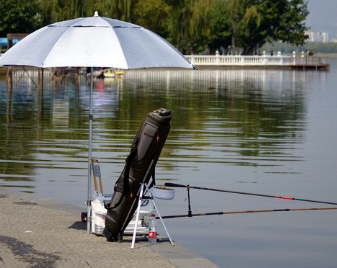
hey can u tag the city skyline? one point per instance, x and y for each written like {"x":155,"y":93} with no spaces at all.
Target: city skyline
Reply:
{"x":322,"y":17}
{"x":318,"y":36}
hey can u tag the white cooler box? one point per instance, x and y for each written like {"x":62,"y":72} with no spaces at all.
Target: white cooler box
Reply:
{"x":98,"y":213}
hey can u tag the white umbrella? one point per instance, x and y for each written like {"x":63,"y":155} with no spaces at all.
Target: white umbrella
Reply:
{"x":94,"y":42}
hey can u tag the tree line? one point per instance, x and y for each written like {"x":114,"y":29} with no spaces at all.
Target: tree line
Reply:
{"x":192,"y":26}
{"x":315,"y":47}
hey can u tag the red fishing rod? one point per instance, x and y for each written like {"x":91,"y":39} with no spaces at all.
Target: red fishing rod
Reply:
{"x":245,"y":211}
{"x":169,"y":184}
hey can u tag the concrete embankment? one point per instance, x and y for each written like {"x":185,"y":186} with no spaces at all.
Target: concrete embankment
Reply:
{"x":40,"y":232}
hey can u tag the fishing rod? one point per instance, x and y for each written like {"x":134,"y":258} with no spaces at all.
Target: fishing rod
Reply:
{"x":245,"y":193}
{"x":241,"y":212}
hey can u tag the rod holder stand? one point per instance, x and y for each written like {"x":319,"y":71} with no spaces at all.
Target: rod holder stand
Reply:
{"x":189,"y":201}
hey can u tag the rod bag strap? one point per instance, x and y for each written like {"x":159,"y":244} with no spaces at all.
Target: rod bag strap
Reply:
{"x":126,"y":187}
{"x":153,"y":182}
{"x":129,"y":160}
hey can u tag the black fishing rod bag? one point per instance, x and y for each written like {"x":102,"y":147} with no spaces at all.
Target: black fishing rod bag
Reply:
{"x":139,"y":168}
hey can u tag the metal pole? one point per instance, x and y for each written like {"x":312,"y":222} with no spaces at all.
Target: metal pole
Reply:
{"x":89,"y":154}
{"x":137,"y":216}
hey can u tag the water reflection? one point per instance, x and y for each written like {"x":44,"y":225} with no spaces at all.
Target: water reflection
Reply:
{"x":234,"y":117}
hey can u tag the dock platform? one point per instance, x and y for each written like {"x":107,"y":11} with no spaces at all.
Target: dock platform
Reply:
{"x":278,"y":61}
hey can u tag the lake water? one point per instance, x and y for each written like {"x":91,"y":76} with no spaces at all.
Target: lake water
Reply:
{"x":260,"y":131}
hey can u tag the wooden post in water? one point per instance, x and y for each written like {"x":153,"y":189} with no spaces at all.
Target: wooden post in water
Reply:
{"x":7,"y":96}
{"x":42,"y":74}
{"x":11,"y":81}
{"x":38,"y":84}
{"x":7,"y":82}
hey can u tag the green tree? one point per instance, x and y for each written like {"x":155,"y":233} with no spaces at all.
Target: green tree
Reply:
{"x":244,"y":20}
{"x":252,"y":23}
{"x":221,"y":36}
{"x":116,"y":9}
{"x":291,"y":26}
{"x":190,"y":24}
{"x":200,"y":26}
{"x":59,"y":10}
{"x":19,"y":16}
{"x":153,"y":15}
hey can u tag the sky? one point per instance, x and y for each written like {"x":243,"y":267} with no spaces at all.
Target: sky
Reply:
{"x":323,"y":16}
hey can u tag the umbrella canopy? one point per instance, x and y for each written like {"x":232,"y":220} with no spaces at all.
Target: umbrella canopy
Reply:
{"x":94,"y":42}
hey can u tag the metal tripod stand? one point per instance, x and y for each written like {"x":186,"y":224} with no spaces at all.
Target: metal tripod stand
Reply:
{"x":138,"y":210}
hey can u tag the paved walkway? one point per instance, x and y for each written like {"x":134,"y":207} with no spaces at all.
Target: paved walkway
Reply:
{"x":52,"y":235}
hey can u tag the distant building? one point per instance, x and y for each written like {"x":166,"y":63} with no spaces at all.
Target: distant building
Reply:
{"x":322,"y":37}
{"x":325,"y":37}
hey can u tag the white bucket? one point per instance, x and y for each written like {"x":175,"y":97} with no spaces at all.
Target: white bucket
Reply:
{"x":98,"y":215}
{"x":163,"y":192}
{"x":99,"y":223}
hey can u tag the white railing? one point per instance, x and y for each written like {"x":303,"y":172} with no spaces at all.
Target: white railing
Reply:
{"x":218,"y":60}
{"x":278,"y":60}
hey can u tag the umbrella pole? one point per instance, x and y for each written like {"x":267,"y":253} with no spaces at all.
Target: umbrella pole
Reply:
{"x":89,"y":154}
